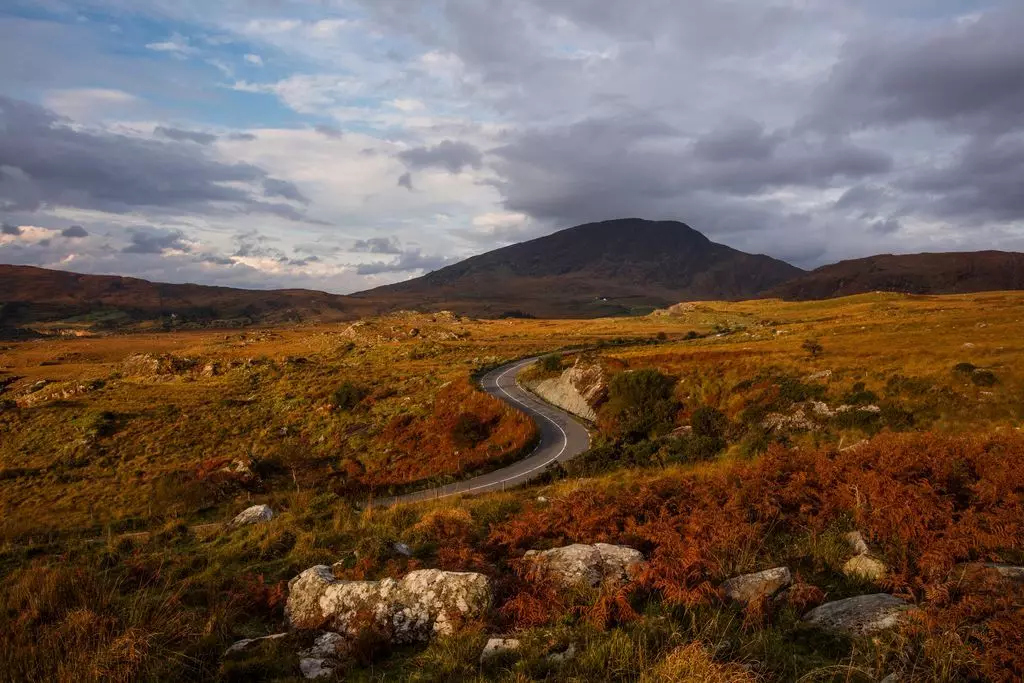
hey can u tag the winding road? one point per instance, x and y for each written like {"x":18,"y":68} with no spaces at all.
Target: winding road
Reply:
{"x":562,"y":438}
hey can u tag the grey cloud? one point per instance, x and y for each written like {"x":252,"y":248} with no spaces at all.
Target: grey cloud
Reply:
{"x":150,"y":240}
{"x":253,"y":244}
{"x":74,"y":232}
{"x":448,"y":155}
{"x":215,"y":259}
{"x":8,"y":229}
{"x":242,"y":137}
{"x":47,"y":163}
{"x":329,"y":131}
{"x":181,"y":135}
{"x":408,"y":261}
{"x":737,"y":142}
{"x":377,"y":245}
{"x":273,"y":187}
{"x":963,"y":73}
{"x":887,"y":226}
{"x":405,"y":180}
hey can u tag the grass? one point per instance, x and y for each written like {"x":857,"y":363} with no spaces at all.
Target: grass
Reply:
{"x":935,"y":483}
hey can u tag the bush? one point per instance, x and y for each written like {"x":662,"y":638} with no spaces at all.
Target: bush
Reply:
{"x":983,"y":378}
{"x":348,"y":396}
{"x":965,"y":369}
{"x":640,"y":404}
{"x":693,"y":448}
{"x":469,"y":431}
{"x":813,"y":347}
{"x":551,"y":363}
{"x":860,"y":395}
{"x":709,"y":422}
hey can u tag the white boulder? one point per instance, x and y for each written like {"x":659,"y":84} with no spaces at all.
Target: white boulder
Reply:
{"x":861,"y":615}
{"x":748,"y":587}
{"x":498,"y":646}
{"x":589,"y":565}
{"x":252,"y":515}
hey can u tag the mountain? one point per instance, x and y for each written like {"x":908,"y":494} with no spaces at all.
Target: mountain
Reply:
{"x":944,"y":273}
{"x":37,"y":295}
{"x":609,"y":268}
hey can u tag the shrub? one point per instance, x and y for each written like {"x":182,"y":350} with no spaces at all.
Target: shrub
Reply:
{"x":661,"y":336}
{"x":860,"y":395}
{"x":983,"y":378}
{"x":640,"y":404}
{"x":693,"y":448}
{"x":551,"y":363}
{"x":964,"y":369}
{"x":812,"y":347}
{"x":709,"y":422}
{"x":469,"y":431}
{"x":348,"y":395}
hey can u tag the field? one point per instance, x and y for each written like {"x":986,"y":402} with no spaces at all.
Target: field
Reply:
{"x":761,"y":433}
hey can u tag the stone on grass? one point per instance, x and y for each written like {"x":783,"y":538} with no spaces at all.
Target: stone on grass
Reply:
{"x":861,"y":615}
{"x":498,"y":646}
{"x":253,"y":515}
{"x":423,"y":603}
{"x":402,"y":549}
{"x":589,"y":565}
{"x":748,"y":587}
{"x":857,"y":543}
{"x":250,"y":643}
{"x":323,"y":657}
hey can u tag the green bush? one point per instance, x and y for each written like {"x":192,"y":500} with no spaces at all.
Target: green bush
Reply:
{"x":710,"y":422}
{"x":348,"y":395}
{"x":551,"y":363}
{"x":640,"y":404}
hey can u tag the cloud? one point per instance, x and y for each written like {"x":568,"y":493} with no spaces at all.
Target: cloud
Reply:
{"x":405,"y":180}
{"x":177,"y":45}
{"x":12,"y":230}
{"x":74,"y":232}
{"x":329,"y":131}
{"x":448,"y":155}
{"x":411,"y":260}
{"x":149,"y":240}
{"x":47,"y":163}
{"x":255,"y":60}
{"x":378,"y":245}
{"x":180,"y":135}
{"x":273,"y":187}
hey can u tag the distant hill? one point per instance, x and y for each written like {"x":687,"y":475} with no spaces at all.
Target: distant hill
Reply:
{"x":944,"y":273}
{"x":37,"y":295}
{"x":610,"y":268}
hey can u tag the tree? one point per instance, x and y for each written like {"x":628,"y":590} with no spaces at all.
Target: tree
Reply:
{"x":640,"y":404}
{"x":551,"y":363}
{"x":813,"y":347}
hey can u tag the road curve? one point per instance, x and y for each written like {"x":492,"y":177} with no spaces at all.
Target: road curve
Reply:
{"x":562,"y":438}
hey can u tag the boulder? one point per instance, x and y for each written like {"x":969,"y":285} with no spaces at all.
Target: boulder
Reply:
{"x":323,"y":657}
{"x":589,"y":565}
{"x":498,"y":646}
{"x":865,"y":567}
{"x":860,"y":615}
{"x":748,"y":587}
{"x":422,"y":603}
{"x":857,"y":543}
{"x":579,"y":389}
{"x":250,"y":643}
{"x":253,"y":515}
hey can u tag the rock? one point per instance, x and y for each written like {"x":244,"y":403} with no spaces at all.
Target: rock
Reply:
{"x":564,"y":656}
{"x":861,"y":615}
{"x":252,"y":515}
{"x":541,"y":499}
{"x":412,"y":609}
{"x":857,"y":543}
{"x":579,"y":390}
{"x":1009,"y":572}
{"x":211,"y":369}
{"x":985,"y":577}
{"x":865,"y":567}
{"x":250,"y":643}
{"x":498,"y":646}
{"x":589,"y":565}
{"x":402,"y":549}
{"x":818,"y":376}
{"x":749,"y":587}
{"x":323,"y":657}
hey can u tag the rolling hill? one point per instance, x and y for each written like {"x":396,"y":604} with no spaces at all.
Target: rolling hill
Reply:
{"x":942,"y":273}
{"x":610,"y":268}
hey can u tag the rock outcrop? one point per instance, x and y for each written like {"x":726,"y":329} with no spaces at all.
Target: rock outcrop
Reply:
{"x":861,"y":615}
{"x":579,"y":390}
{"x":498,"y":646}
{"x":251,"y":643}
{"x":423,"y":603}
{"x":590,"y":565}
{"x":252,"y":515}
{"x":323,"y":657}
{"x":749,"y":587}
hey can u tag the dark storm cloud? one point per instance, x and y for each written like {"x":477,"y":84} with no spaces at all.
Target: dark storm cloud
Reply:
{"x":968,"y":73}
{"x":273,"y":187}
{"x":448,"y":155}
{"x":8,"y":229}
{"x":181,"y":135}
{"x":409,"y":260}
{"x":45,"y":162}
{"x":377,"y":245}
{"x":74,"y":232}
{"x":155,"y":241}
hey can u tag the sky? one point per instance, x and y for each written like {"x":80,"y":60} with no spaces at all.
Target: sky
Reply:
{"x":344,"y":144}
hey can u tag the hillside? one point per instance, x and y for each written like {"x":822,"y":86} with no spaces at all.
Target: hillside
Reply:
{"x":37,"y":295}
{"x":610,"y":268}
{"x":946,"y":273}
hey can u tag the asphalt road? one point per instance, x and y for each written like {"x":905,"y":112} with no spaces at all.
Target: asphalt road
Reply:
{"x":562,"y":438}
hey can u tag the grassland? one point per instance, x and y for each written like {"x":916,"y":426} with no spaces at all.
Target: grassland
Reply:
{"x":135,"y":432}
